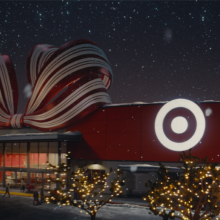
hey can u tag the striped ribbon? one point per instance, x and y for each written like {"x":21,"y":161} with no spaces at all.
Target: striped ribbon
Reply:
{"x":68,"y":83}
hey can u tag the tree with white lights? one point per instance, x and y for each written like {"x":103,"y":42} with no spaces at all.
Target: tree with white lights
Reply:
{"x":90,"y":198}
{"x":194,"y":196}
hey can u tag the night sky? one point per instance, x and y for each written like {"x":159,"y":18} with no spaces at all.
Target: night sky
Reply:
{"x":158,"y":51}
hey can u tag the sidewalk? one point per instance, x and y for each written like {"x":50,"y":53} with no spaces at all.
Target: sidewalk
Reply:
{"x":17,"y":192}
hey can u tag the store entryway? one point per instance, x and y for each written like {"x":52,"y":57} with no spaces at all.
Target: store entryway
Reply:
{"x":43,"y":180}
{"x":14,"y":178}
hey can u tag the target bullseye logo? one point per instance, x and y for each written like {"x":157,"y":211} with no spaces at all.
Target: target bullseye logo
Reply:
{"x":179,"y":125}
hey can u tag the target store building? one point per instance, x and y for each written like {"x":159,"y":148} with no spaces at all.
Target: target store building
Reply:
{"x":136,"y":136}
{"x":120,"y":135}
{"x":69,"y":110}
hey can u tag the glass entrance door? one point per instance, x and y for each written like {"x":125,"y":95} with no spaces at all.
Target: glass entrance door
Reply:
{"x":49,"y":181}
{"x":36,"y":180}
{"x":1,"y":178}
{"x":14,"y":178}
{"x":21,"y":176}
{"x":46,"y":181}
{"x":10,"y":178}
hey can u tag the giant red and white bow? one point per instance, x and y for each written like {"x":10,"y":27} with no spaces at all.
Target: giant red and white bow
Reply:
{"x":79,"y":71}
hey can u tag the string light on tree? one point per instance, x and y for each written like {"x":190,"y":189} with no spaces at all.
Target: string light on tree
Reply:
{"x":186,"y":198}
{"x":90,"y":198}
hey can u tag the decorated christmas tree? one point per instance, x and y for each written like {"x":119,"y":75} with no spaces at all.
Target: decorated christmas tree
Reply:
{"x":89,"y":194}
{"x":194,"y":196}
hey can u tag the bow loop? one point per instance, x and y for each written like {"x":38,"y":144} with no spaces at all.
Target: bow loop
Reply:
{"x":67,"y":84}
{"x":66,"y":65}
{"x":8,"y":85}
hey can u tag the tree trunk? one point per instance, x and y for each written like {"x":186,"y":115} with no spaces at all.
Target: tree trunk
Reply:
{"x":93,"y":217}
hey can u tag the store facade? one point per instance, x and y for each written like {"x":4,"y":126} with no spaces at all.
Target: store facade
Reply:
{"x":113,"y":136}
{"x":25,"y":155}
{"x":69,"y":109}
{"x":125,"y":134}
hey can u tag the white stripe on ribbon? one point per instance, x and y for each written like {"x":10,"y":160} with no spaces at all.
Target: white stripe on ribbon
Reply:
{"x":85,"y":96}
{"x":62,"y":74}
{"x":85,"y":103}
{"x":2,"y":100}
{"x":61,"y":59}
{"x":6,"y":84}
{"x":33,"y":63}
{"x":73,"y":97}
{"x":46,"y":55}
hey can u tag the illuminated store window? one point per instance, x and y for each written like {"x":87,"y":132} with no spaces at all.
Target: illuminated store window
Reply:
{"x":38,"y":180}
{"x":1,"y":178}
{"x":10,"y":178}
{"x":46,"y":178}
{"x":53,"y":153}
{"x":15,"y":155}
{"x":1,"y":156}
{"x":20,"y":176}
{"x":23,"y":155}
{"x":34,"y":155}
{"x":43,"y":149}
{"x":8,"y":149}
{"x":32,"y":179}
{"x":52,"y":181}
{"x":63,"y":152}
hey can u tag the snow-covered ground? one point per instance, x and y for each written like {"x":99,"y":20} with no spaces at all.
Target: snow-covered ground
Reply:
{"x":119,"y":212}
{"x":23,"y":208}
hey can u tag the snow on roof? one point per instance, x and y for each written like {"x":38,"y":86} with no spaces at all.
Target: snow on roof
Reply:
{"x":153,"y":103}
{"x":205,"y":101}
{"x":135,"y":103}
{"x":146,"y":167}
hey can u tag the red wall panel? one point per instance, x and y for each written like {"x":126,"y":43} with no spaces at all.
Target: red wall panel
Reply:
{"x":149,"y":140}
{"x":89,"y":127}
{"x":127,"y":133}
{"x":150,"y":111}
{"x":91,"y":147}
{"x":158,"y":153}
{"x":212,"y":152}
{"x":147,"y":124}
{"x":123,"y":126}
{"x":123,"y":140}
{"x":210,"y":139}
{"x":100,"y":114}
{"x":122,"y":153}
{"x":123,"y":112}
{"x":212,"y":124}
{"x":215,"y":107}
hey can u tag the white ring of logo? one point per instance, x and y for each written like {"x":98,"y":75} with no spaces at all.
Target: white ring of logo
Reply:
{"x":200,"y":125}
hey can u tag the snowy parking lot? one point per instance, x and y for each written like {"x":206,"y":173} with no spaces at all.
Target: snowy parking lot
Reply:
{"x":18,"y":207}
{"x":23,"y":208}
